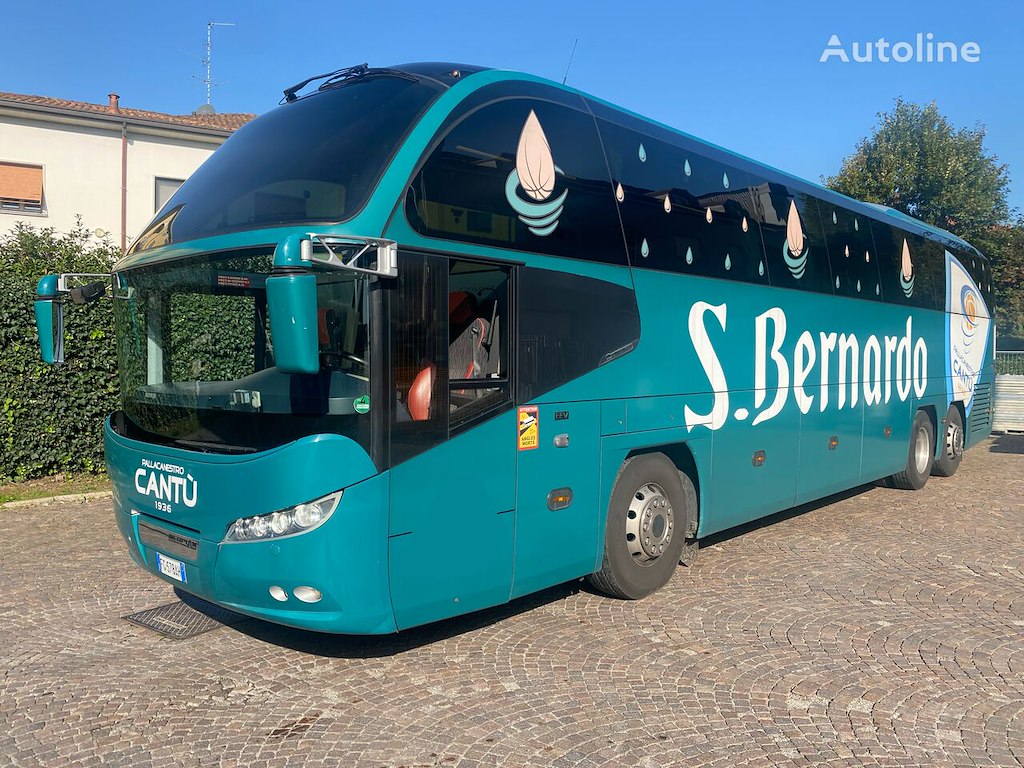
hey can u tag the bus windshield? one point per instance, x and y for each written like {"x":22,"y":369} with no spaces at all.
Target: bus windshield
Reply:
{"x":196,"y":358}
{"x":314,"y":160}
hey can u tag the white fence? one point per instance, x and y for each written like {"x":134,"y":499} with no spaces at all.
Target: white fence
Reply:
{"x":1009,"y":395}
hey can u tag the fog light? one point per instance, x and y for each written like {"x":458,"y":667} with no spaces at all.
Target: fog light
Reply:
{"x":307,"y":594}
{"x":278,"y":594}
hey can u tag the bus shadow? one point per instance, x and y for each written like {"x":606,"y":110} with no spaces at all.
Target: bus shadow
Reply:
{"x":787,"y":514}
{"x":383,"y":646}
{"x":1007,"y":442}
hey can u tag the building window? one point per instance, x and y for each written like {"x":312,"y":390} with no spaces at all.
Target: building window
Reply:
{"x":21,"y":188}
{"x":164,"y":190}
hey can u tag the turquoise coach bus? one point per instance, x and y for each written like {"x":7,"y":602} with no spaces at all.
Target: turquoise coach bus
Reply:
{"x":428,"y":338}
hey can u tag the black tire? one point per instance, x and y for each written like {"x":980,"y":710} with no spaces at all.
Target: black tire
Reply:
{"x":951,"y":444}
{"x":648,"y":491}
{"x":919,"y":457}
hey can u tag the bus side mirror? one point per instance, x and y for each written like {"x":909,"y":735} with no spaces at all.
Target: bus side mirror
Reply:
{"x":49,"y":308}
{"x":291,"y":304}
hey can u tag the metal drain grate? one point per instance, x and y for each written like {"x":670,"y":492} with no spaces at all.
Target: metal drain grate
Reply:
{"x":182,"y":620}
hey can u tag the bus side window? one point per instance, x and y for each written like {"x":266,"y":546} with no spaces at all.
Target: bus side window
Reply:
{"x":851,"y":253}
{"x":911,"y":267}
{"x":794,"y":240}
{"x":471,"y":186}
{"x":682,"y":211}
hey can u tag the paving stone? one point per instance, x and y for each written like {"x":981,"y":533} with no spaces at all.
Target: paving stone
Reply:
{"x":877,"y":628}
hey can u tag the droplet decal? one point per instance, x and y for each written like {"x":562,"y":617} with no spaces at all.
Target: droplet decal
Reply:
{"x":856,"y":224}
{"x":760,"y":268}
{"x":837,"y":281}
{"x":744,"y":224}
{"x":686,"y":167}
{"x":878,"y":289}
{"x":725,"y":180}
{"x":835,"y":219}
{"x":645,"y":250}
{"x":907,"y":271}
{"x":728,"y":262}
{"x":668,"y":204}
{"x":620,"y":194}
{"x":867,"y":256}
{"x":708,"y":216}
{"x":858,"y":286}
{"x":846,"y":250}
{"x":642,"y":154}
{"x":689,"y":255}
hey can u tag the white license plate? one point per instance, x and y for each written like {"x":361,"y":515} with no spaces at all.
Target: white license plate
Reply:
{"x":170,"y":567}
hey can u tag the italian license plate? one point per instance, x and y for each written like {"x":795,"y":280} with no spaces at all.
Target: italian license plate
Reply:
{"x":170,"y":567}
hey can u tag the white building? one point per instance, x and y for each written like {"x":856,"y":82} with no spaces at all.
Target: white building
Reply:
{"x":112,"y":166}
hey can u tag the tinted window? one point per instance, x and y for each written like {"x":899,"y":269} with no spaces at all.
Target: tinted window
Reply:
{"x":520,"y":173}
{"x":450,"y":349}
{"x":911,"y":267}
{"x":794,"y":239}
{"x":569,"y":325}
{"x":317,"y":159}
{"x":851,"y":253}
{"x":682,"y":211}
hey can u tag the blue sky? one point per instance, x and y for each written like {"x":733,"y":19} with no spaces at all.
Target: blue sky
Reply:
{"x":745,"y":75}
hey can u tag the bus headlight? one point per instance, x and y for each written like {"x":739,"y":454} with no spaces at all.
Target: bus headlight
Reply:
{"x":283,"y":522}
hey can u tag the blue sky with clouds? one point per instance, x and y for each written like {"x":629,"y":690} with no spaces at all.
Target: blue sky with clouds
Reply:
{"x":744,"y":75}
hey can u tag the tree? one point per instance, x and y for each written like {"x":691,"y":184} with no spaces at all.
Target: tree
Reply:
{"x":1004,"y":245}
{"x":918,"y":163}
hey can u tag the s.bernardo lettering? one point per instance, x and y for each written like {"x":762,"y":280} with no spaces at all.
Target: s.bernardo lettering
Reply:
{"x":167,"y":483}
{"x":876,"y":368}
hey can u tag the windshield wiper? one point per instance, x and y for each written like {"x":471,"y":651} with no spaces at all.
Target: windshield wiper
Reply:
{"x":340,"y":75}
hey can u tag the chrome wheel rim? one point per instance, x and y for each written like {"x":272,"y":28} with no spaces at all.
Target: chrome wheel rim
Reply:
{"x":922,"y":451}
{"x":650,"y":524}
{"x":954,"y":441}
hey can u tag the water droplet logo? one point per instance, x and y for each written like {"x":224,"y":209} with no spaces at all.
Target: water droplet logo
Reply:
{"x":728,"y":262}
{"x":793,"y":250}
{"x":760,"y":268}
{"x":686,"y":167}
{"x":837,"y":281}
{"x":744,"y":224}
{"x":708,"y":217}
{"x":645,"y":250}
{"x":867,"y":257}
{"x":835,"y":219}
{"x":856,"y":224}
{"x":668,"y":204}
{"x":858,"y":286}
{"x":846,"y":250}
{"x":620,"y":194}
{"x":642,"y":154}
{"x":535,"y":172}
{"x":689,"y":255}
{"x":907,"y":272}
{"x":725,"y":180}
{"x":878,"y":290}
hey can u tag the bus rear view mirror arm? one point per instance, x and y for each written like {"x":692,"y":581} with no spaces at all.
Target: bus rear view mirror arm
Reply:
{"x":373,"y":256}
{"x":49,"y":308}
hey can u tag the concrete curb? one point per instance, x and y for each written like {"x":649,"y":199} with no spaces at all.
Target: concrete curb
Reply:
{"x":74,"y":498}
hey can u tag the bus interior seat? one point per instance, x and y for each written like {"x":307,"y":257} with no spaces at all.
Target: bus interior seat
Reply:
{"x":467,"y":336}
{"x":421,"y":393}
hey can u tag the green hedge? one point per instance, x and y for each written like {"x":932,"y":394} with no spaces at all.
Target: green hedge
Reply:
{"x":51,"y":417}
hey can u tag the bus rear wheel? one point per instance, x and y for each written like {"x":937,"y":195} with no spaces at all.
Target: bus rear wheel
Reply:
{"x":951,"y":450}
{"x":652,"y":510}
{"x":920,"y":457}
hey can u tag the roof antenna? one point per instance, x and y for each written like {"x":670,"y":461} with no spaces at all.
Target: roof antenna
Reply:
{"x":209,"y":50}
{"x":571,"y":54}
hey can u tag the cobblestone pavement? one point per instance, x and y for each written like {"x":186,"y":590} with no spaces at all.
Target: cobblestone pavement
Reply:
{"x":882,"y":628}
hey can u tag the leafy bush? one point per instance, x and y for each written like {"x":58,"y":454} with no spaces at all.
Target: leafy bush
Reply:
{"x":51,"y":417}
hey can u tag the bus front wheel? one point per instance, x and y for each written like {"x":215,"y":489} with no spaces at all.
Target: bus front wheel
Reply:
{"x":920,"y":456}
{"x":651,"y":512}
{"x":951,"y":449}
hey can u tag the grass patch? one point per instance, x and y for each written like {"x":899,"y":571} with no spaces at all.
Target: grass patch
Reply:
{"x":56,"y":485}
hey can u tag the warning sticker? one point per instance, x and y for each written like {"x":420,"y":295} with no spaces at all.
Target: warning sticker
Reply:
{"x":529,"y":431}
